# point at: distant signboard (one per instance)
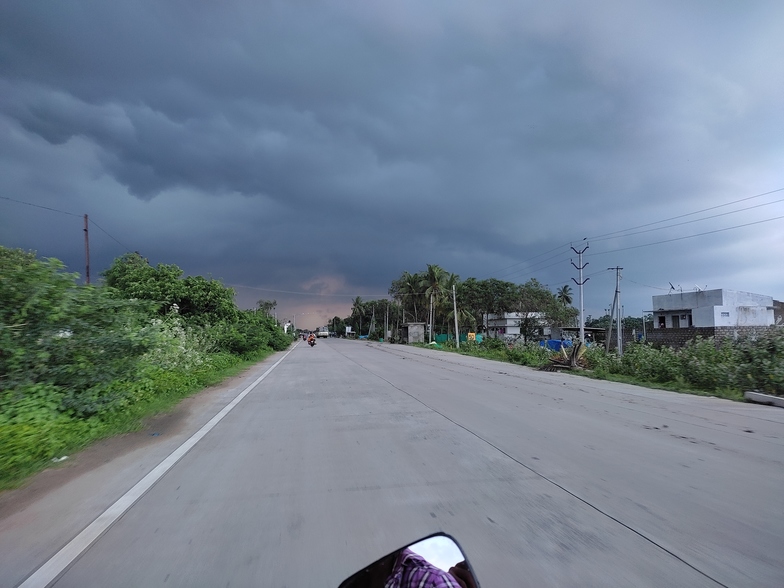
(348, 330)
(472, 336)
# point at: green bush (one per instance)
(761, 362)
(78, 362)
(530, 354)
(492, 343)
(601, 362)
(708, 365)
(643, 361)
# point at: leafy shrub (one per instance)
(79, 361)
(708, 365)
(761, 362)
(530, 354)
(643, 361)
(601, 362)
(54, 331)
(493, 343)
(33, 431)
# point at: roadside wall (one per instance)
(679, 337)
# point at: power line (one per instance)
(688, 214)
(619, 234)
(647, 286)
(686, 222)
(39, 206)
(527, 260)
(110, 236)
(767, 220)
(530, 269)
(69, 214)
(309, 293)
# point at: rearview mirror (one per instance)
(436, 561)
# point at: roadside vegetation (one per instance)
(704, 367)
(78, 363)
(722, 368)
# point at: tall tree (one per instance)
(434, 283)
(406, 289)
(538, 308)
(357, 312)
(266, 306)
(564, 295)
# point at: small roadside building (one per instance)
(712, 308)
(413, 332)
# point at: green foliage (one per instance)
(647, 363)
(78, 362)
(724, 368)
(530, 354)
(708, 366)
(55, 332)
(601, 362)
(761, 362)
(564, 295)
(492, 343)
(194, 297)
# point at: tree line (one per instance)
(426, 296)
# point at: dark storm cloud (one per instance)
(395, 135)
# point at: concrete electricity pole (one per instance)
(454, 304)
(580, 284)
(616, 309)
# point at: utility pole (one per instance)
(580, 284)
(86, 250)
(616, 310)
(454, 304)
(430, 319)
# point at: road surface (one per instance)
(346, 451)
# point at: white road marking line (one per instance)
(60, 561)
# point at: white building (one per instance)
(712, 308)
(507, 326)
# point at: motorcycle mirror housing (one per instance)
(435, 561)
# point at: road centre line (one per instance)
(51, 570)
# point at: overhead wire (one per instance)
(40, 206)
(696, 220)
(690, 213)
(767, 220)
(90, 220)
(626, 233)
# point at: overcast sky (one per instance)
(312, 151)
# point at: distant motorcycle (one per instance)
(312, 341)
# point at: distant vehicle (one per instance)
(322, 332)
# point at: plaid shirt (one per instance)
(413, 571)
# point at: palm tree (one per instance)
(434, 282)
(409, 288)
(463, 317)
(564, 295)
(358, 310)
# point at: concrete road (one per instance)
(350, 449)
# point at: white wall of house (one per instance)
(713, 308)
(507, 326)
